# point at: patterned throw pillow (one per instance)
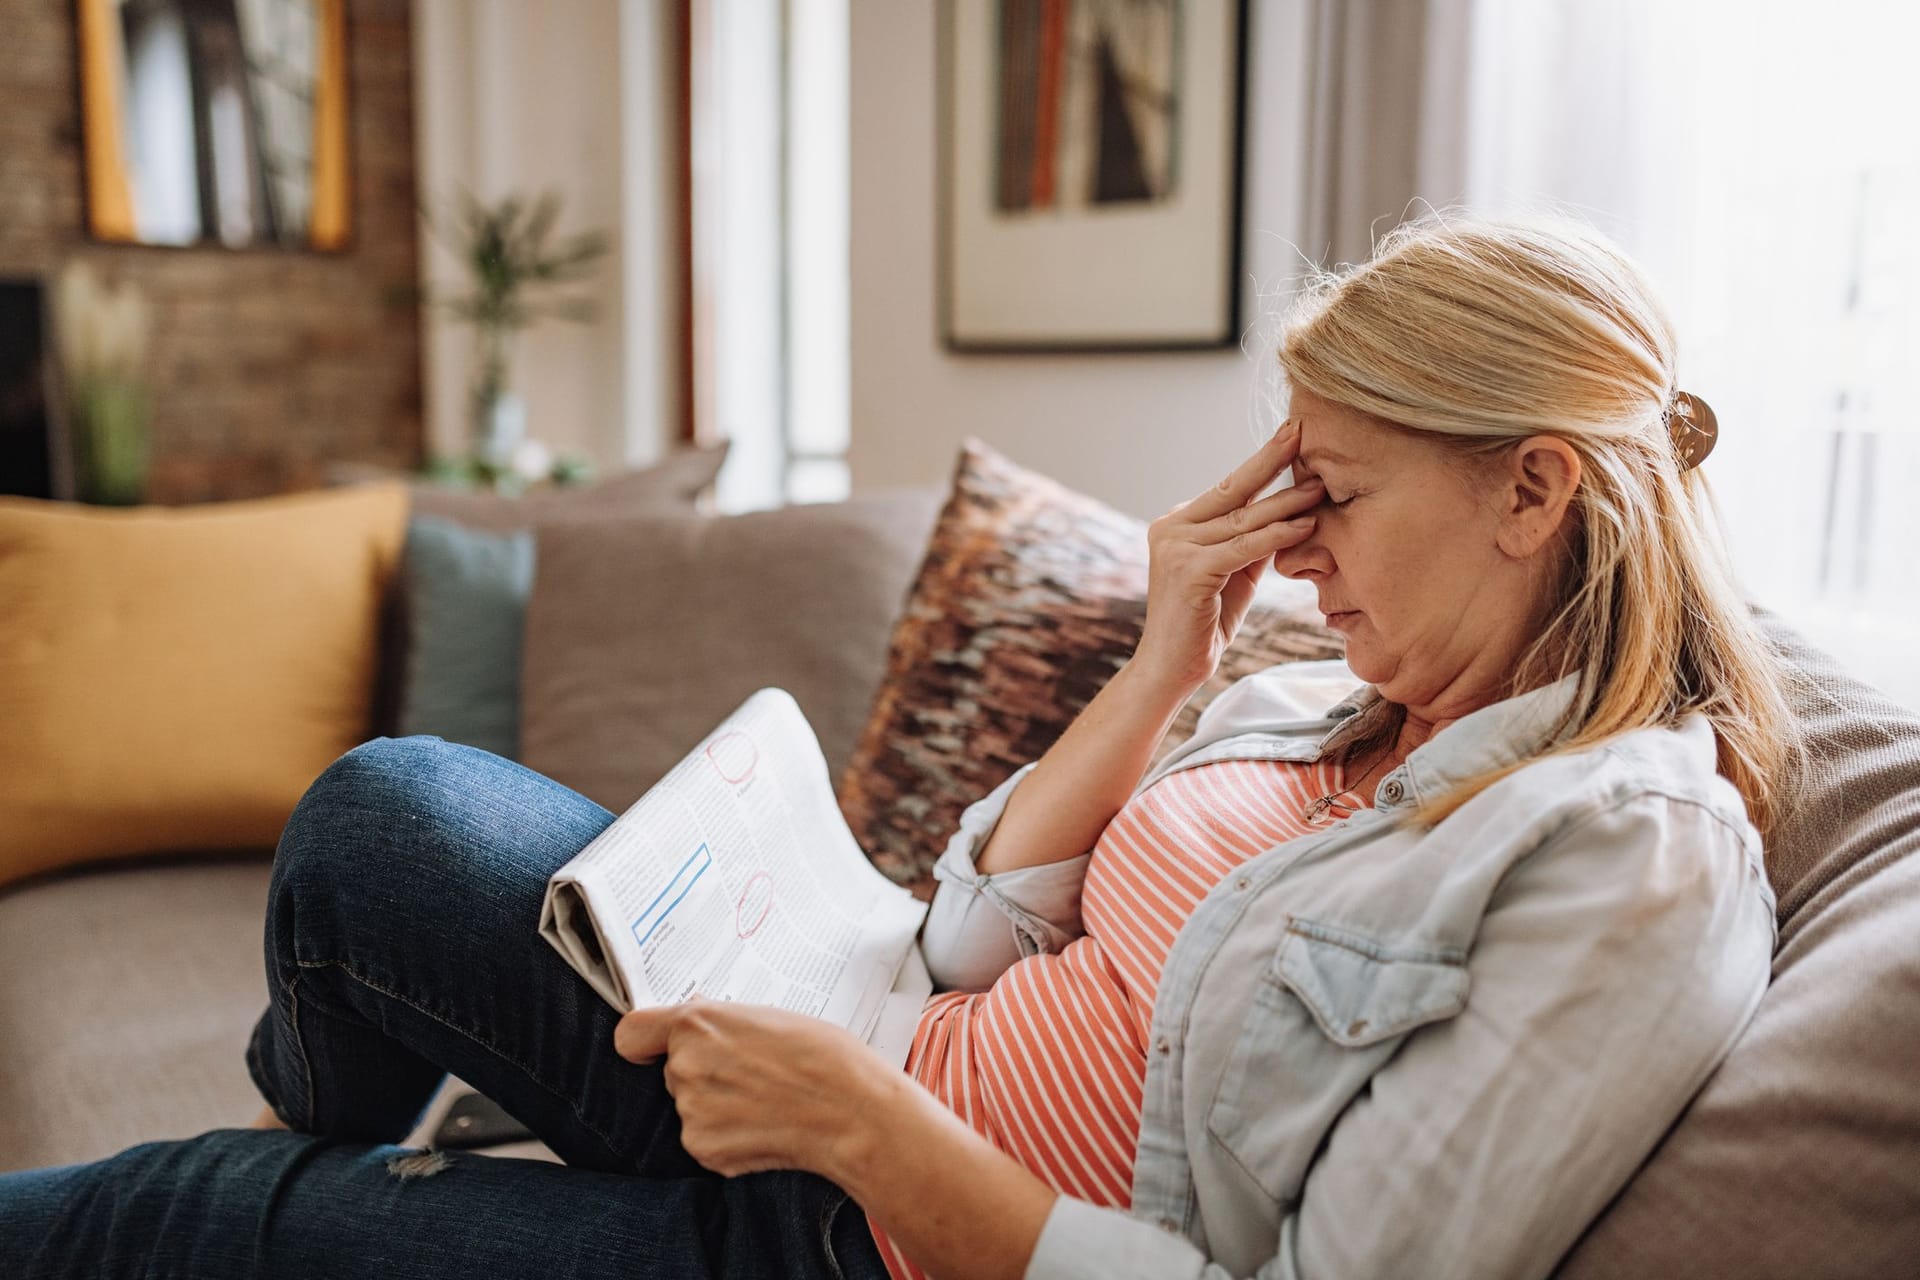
(1030, 598)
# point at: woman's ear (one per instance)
(1536, 488)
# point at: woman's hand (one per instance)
(763, 1088)
(1207, 555)
(766, 1089)
(760, 1088)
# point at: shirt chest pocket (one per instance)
(1328, 1011)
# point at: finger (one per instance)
(642, 1036)
(1250, 574)
(1236, 595)
(1289, 503)
(1243, 586)
(1268, 461)
(1243, 549)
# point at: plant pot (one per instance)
(500, 427)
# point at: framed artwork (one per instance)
(1090, 173)
(215, 121)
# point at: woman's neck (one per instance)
(1416, 731)
(1390, 755)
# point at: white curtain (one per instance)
(1762, 161)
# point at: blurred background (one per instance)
(247, 243)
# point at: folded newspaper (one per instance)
(736, 878)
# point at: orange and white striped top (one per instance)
(1050, 1063)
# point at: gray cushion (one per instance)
(466, 611)
(643, 632)
(1801, 1157)
(126, 998)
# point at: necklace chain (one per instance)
(1326, 801)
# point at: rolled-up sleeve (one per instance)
(1081, 1241)
(979, 924)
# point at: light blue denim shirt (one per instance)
(1378, 1051)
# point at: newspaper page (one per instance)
(736, 878)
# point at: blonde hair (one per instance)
(1481, 333)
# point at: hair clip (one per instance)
(1693, 427)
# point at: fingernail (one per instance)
(1300, 522)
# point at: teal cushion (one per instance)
(467, 607)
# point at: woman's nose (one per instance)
(1306, 560)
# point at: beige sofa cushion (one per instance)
(644, 632)
(1801, 1157)
(126, 997)
(674, 481)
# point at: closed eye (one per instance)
(1341, 502)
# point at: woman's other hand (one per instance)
(1207, 555)
(760, 1088)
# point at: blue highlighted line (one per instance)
(677, 888)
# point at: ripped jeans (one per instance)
(402, 944)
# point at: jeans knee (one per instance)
(378, 771)
(378, 775)
(361, 816)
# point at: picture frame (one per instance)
(1091, 174)
(216, 123)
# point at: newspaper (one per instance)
(736, 878)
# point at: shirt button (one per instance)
(1243, 884)
(1169, 1225)
(1162, 1046)
(1392, 790)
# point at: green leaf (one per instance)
(510, 252)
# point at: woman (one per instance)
(1408, 983)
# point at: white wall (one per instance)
(519, 97)
(1140, 431)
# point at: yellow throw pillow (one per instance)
(172, 679)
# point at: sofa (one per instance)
(904, 622)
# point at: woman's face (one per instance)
(1414, 561)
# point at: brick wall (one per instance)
(265, 364)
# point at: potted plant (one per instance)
(518, 270)
(102, 340)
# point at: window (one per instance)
(1763, 161)
(769, 161)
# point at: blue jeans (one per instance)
(402, 944)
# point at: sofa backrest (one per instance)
(1801, 1156)
(1856, 809)
(644, 631)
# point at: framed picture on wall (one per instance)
(217, 122)
(1090, 173)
